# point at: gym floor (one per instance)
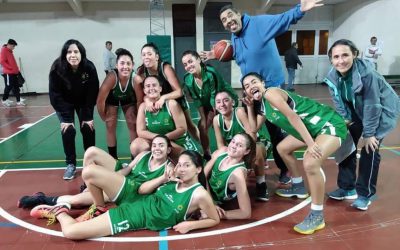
(32, 159)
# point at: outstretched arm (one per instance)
(306, 5)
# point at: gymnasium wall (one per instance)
(358, 20)
(41, 29)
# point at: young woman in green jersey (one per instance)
(203, 82)
(227, 174)
(170, 199)
(146, 166)
(118, 89)
(169, 120)
(308, 123)
(231, 121)
(153, 65)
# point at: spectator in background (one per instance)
(291, 60)
(73, 87)
(109, 58)
(372, 52)
(10, 73)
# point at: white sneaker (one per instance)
(21, 103)
(22, 99)
(7, 103)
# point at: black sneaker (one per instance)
(262, 192)
(31, 201)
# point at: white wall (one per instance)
(40, 34)
(358, 20)
(41, 29)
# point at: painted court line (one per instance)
(38, 229)
(20, 131)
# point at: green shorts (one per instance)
(128, 192)
(336, 126)
(128, 216)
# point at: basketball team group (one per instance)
(174, 180)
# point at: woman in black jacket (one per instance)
(73, 87)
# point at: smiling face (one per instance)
(224, 103)
(231, 21)
(73, 56)
(149, 57)
(152, 88)
(253, 87)
(160, 149)
(186, 170)
(342, 58)
(191, 64)
(238, 147)
(124, 66)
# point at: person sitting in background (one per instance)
(372, 52)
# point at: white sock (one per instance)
(297, 180)
(317, 207)
(260, 179)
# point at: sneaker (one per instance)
(341, 194)
(92, 212)
(6, 103)
(49, 212)
(70, 171)
(262, 192)
(313, 222)
(31, 201)
(21, 103)
(296, 190)
(361, 203)
(284, 179)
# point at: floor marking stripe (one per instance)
(20, 131)
(8, 224)
(163, 244)
(32, 227)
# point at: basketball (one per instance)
(223, 51)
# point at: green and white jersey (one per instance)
(119, 96)
(162, 123)
(219, 179)
(165, 208)
(318, 118)
(142, 172)
(235, 127)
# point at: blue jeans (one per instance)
(291, 75)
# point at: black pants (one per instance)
(11, 83)
(68, 138)
(368, 169)
(277, 136)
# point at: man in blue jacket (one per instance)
(254, 50)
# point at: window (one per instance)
(306, 42)
(284, 42)
(323, 42)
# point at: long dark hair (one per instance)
(141, 68)
(195, 54)
(345, 42)
(61, 64)
(197, 160)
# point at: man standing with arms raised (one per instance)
(254, 50)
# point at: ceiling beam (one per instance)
(76, 5)
(200, 5)
(265, 5)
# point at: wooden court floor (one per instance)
(31, 160)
